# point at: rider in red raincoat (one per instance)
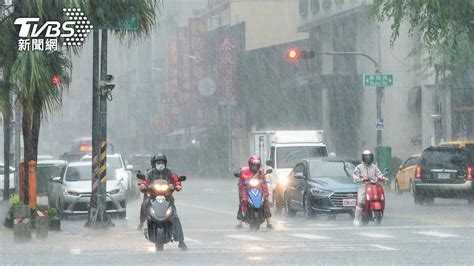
(247, 173)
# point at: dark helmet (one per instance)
(367, 157)
(158, 157)
(254, 163)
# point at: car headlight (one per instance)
(283, 180)
(68, 192)
(318, 191)
(116, 191)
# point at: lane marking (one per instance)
(436, 234)
(244, 237)
(75, 251)
(384, 247)
(193, 240)
(373, 235)
(309, 236)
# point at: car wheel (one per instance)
(470, 200)
(308, 210)
(412, 188)
(398, 191)
(428, 200)
(419, 199)
(122, 215)
(290, 211)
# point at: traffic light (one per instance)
(295, 54)
(106, 85)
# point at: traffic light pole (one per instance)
(379, 90)
(94, 205)
(103, 137)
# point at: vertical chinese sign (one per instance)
(169, 97)
(198, 63)
(227, 70)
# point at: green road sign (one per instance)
(378, 80)
(110, 22)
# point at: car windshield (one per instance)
(445, 159)
(78, 173)
(113, 163)
(44, 173)
(330, 169)
(288, 157)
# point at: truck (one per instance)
(282, 150)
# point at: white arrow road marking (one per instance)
(75, 251)
(244, 237)
(309, 236)
(434, 233)
(383, 247)
(373, 235)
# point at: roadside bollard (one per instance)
(41, 222)
(21, 226)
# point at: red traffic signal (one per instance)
(293, 54)
(56, 80)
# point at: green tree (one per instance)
(444, 28)
(31, 72)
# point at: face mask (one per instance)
(160, 167)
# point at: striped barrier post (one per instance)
(103, 181)
(21, 224)
(41, 222)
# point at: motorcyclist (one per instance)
(366, 169)
(159, 170)
(247, 173)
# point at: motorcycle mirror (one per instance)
(140, 175)
(237, 174)
(269, 171)
(182, 178)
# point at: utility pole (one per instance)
(94, 204)
(104, 92)
(17, 145)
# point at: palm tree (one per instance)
(31, 72)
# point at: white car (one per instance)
(72, 191)
(116, 165)
(2, 179)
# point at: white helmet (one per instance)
(367, 157)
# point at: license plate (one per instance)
(444, 175)
(348, 202)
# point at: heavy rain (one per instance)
(300, 132)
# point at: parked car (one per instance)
(322, 185)
(404, 179)
(46, 170)
(72, 191)
(444, 172)
(2, 179)
(120, 171)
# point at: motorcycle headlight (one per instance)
(159, 187)
(253, 182)
(318, 191)
(283, 180)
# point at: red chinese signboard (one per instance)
(227, 70)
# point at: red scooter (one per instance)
(374, 200)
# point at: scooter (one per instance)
(255, 215)
(159, 211)
(375, 200)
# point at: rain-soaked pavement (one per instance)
(442, 233)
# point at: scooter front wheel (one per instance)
(377, 217)
(159, 247)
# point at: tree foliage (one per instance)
(445, 28)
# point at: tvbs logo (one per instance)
(36, 37)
